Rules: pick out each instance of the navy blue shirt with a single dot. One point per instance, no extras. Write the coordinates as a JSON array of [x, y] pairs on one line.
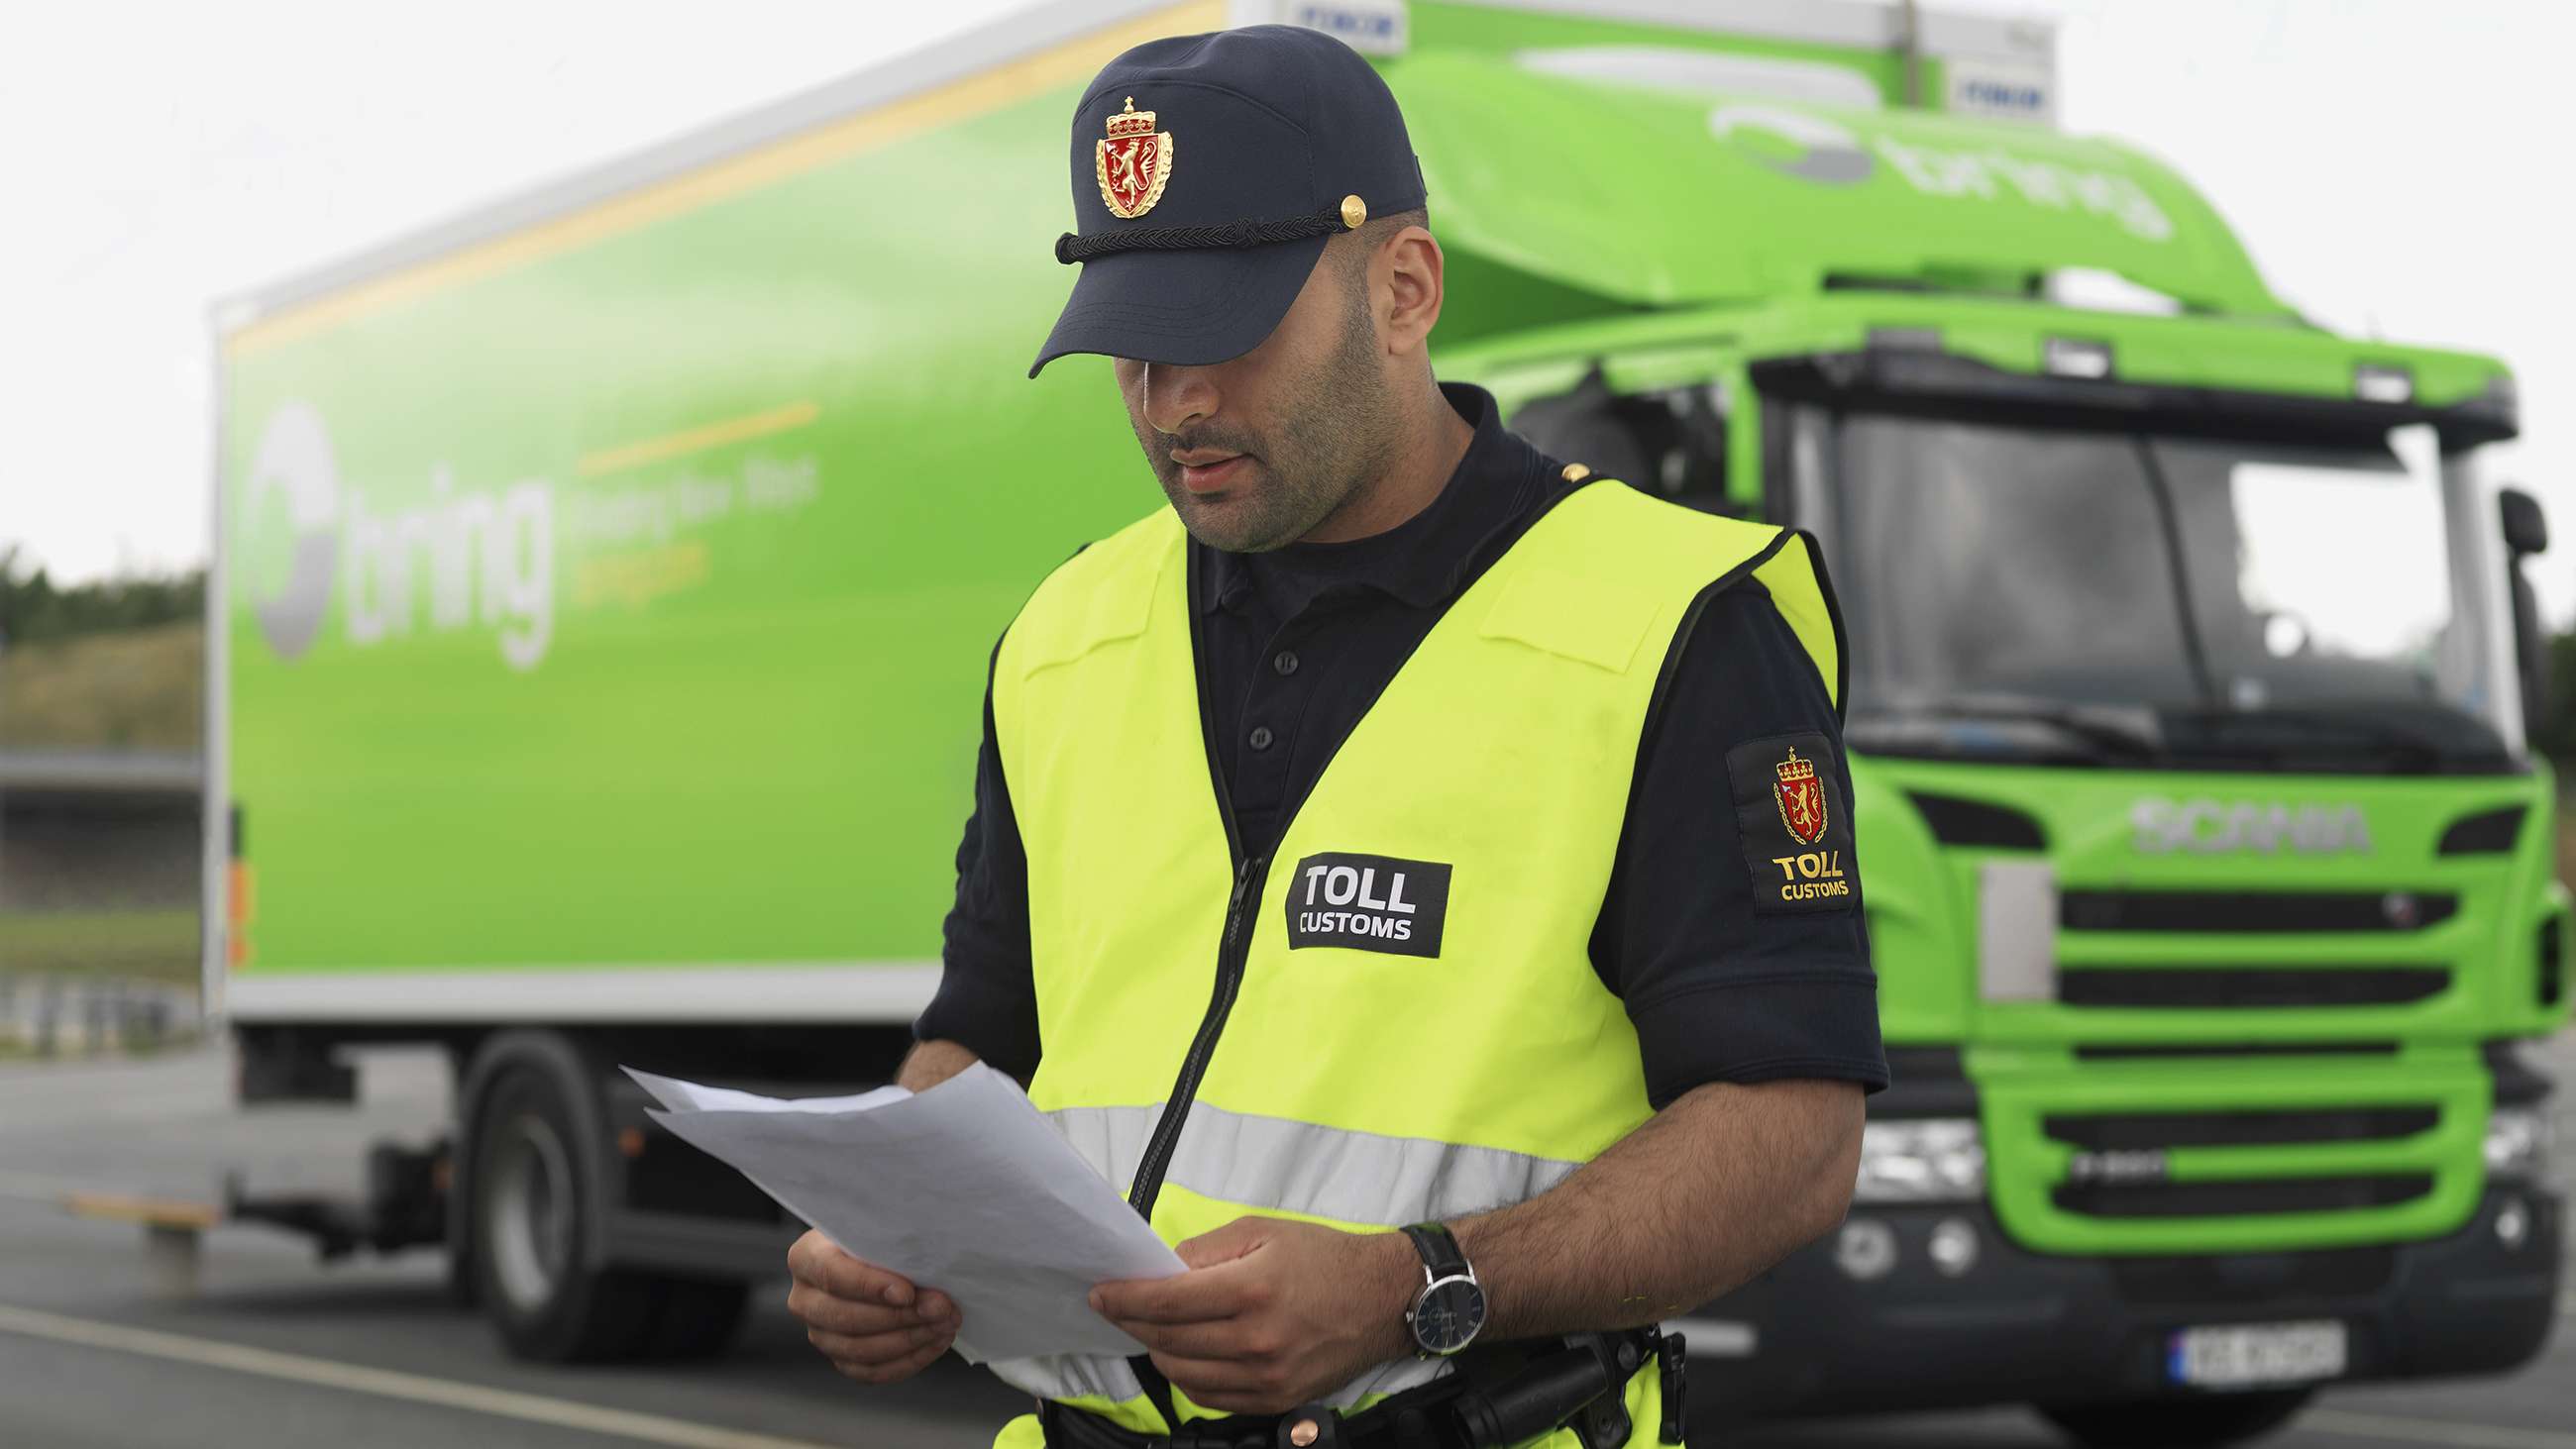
[[1726, 975]]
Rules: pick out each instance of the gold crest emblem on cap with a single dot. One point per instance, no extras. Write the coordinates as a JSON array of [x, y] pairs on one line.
[[1134, 163]]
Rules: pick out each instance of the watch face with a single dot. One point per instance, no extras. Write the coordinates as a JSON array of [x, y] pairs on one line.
[[1448, 1316]]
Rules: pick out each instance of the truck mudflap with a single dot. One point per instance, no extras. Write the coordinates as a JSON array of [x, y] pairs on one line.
[[1879, 1317]]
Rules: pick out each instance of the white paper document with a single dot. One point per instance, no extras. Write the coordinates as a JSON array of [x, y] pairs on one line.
[[965, 1188]]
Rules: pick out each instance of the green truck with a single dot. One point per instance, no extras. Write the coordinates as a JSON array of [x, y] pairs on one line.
[[605, 581]]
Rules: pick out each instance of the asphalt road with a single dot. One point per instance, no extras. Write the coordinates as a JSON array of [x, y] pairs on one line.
[[99, 1350]]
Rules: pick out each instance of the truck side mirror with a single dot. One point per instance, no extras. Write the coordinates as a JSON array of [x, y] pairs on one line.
[[2526, 532], [1669, 444], [2526, 528]]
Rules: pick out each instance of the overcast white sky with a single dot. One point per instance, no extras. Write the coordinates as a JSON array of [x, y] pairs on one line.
[[2398, 168]]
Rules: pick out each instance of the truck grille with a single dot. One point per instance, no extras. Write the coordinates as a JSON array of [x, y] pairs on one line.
[[2250, 986], [2238, 1198], [2148, 1131], [2156, 1157], [2253, 911], [2209, 1050], [2119, 1167], [2254, 1058]]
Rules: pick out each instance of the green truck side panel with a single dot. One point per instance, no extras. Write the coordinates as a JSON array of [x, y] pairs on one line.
[[751, 733]]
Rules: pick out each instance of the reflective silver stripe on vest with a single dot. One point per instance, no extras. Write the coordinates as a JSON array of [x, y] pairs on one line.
[[1111, 1139], [1276, 1164], [1299, 1167]]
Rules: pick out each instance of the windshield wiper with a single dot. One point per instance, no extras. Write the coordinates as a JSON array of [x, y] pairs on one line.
[[2108, 731]]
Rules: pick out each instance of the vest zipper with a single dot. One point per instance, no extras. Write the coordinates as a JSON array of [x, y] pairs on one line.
[[1235, 945], [1232, 949]]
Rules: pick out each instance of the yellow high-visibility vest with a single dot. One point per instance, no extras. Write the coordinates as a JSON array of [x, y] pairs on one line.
[[1393, 1016]]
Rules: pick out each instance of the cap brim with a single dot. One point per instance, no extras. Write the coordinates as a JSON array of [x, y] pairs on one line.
[[1186, 308]]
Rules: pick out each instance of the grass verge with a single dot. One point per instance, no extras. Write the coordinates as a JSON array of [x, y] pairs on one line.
[[137, 689], [146, 945]]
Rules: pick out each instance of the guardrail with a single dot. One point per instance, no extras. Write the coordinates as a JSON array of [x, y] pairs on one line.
[[52, 1015]]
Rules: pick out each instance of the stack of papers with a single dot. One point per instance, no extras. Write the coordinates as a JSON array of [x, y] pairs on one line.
[[966, 1188]]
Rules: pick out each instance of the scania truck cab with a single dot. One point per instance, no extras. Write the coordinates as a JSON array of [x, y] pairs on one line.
[[2209, 877]]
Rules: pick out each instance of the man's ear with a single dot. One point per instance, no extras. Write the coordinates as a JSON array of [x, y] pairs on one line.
[[1406, 272]]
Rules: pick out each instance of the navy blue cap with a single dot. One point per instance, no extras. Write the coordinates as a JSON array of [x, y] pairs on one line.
[[1208, 172]]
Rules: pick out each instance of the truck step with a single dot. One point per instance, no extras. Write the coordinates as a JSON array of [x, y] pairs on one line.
[[172, 1231]]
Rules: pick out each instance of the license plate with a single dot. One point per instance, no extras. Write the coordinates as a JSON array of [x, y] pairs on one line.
[[2243, 1355]]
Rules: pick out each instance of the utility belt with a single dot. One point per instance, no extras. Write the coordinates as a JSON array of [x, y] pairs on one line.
[[1495, 1397]]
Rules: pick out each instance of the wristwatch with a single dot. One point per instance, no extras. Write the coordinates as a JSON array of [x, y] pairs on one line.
[[1449, 1309]]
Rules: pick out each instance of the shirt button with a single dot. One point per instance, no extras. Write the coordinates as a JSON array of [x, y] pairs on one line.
[[1285, 661], [1261, 737]]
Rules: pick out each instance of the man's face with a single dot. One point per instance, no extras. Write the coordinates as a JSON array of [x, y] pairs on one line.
[[1256, 451]]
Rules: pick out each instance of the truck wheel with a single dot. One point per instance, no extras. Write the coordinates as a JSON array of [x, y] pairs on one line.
[[2179, 1423], [534, 1188]]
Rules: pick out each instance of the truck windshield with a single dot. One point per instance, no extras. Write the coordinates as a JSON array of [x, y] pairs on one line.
[[2125, 596]]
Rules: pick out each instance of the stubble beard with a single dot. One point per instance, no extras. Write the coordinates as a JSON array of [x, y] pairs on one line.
[[1335, 439]]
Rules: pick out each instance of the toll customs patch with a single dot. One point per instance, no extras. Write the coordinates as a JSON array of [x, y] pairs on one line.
[[1795, 823], [1368, 903]]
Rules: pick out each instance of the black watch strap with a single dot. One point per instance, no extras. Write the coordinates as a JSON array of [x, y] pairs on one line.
[[1439, 1249]]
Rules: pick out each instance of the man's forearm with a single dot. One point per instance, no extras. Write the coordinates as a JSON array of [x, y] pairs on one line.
[[930, 1063], [1709, 1192]]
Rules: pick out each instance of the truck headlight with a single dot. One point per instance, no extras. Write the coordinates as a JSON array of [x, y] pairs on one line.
[[1941, 1159], [2518, 1141]]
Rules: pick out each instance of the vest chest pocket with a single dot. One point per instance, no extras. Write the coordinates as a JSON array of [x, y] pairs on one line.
[[1368, 903]]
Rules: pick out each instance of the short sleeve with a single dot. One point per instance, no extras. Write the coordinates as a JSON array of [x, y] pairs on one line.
[[1732, 929]]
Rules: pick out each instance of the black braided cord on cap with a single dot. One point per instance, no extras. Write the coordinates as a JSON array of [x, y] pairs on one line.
[[1070, 248]]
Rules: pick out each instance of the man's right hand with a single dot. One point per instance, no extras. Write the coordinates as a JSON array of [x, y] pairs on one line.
[[873, 1325]]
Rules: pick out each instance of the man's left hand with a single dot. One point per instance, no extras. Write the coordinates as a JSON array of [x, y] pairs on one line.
[[1271, 1313]]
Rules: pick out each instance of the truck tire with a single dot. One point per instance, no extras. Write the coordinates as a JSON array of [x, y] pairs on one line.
[[2178, 1423], [535, 1185]]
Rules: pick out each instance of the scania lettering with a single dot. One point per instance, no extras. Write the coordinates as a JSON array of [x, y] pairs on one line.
[[580, 702], [2212, 826]]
